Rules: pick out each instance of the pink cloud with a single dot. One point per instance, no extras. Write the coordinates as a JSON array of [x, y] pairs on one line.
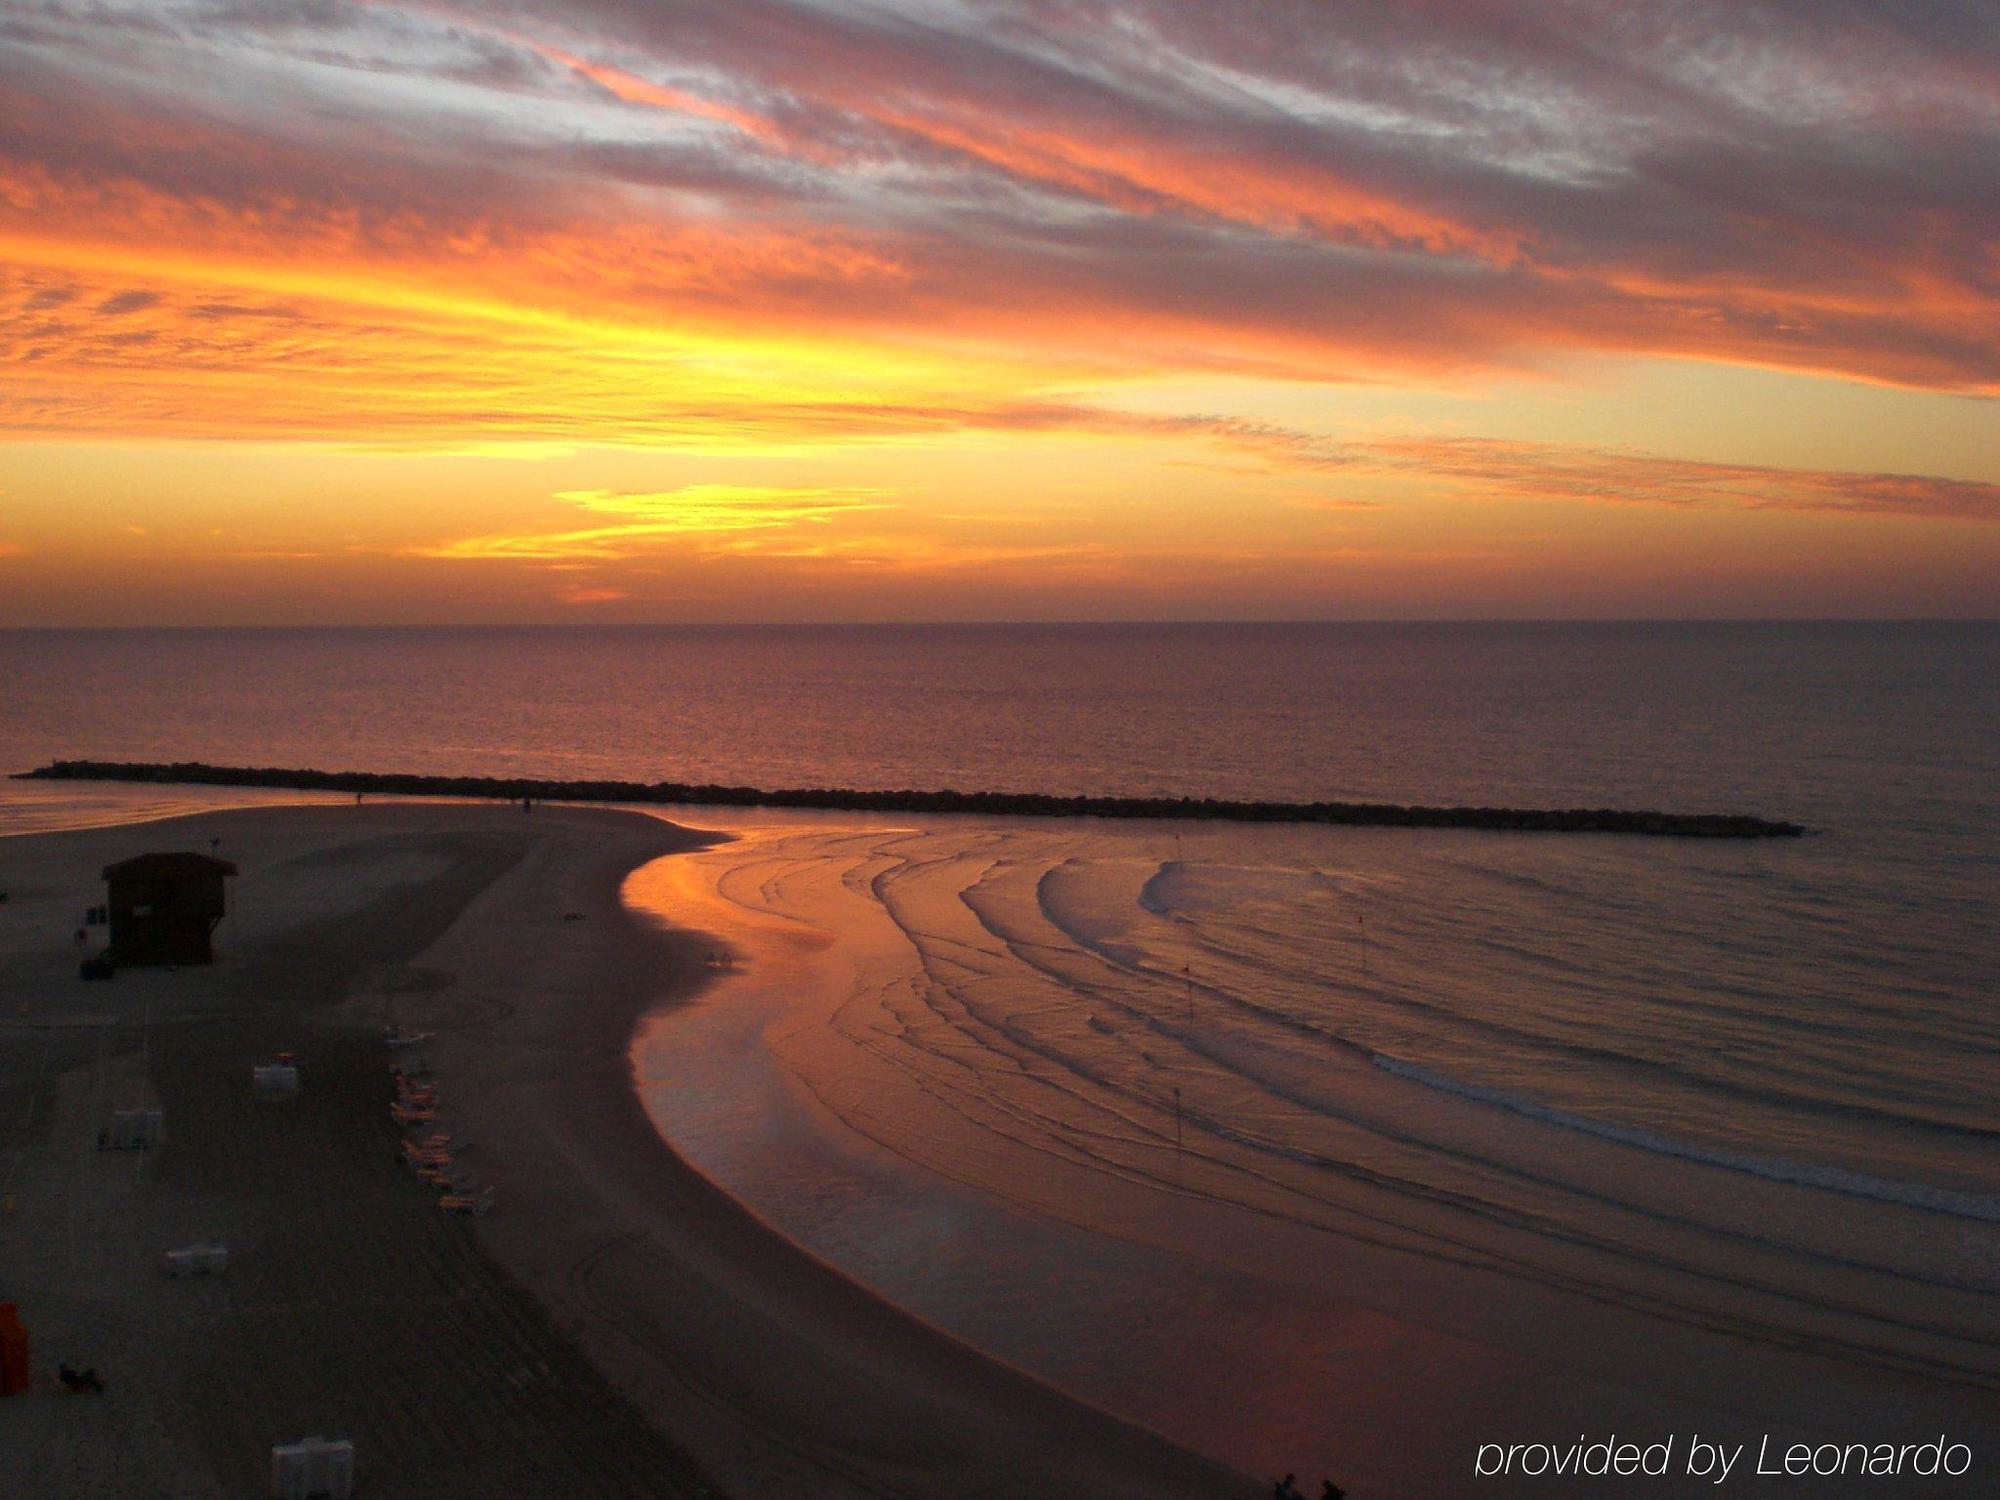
[[1499, 469], [1315, 191]]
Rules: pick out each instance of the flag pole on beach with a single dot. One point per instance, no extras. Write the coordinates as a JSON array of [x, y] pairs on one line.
[[1177, 1132]]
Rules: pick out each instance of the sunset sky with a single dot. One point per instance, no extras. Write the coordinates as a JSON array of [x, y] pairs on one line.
[[618, 310]]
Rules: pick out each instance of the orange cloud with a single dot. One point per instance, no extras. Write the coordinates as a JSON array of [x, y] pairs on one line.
[[1493, 469], [563, 234], [636, 90], [888, 215], [1149, 176], [695, 513]]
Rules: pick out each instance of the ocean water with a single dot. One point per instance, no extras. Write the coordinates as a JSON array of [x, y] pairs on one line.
[[1260, 1134], [1862, 728]]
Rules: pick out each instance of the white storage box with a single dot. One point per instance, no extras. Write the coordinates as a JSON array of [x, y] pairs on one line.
[[313, 1468], [196, 1260]]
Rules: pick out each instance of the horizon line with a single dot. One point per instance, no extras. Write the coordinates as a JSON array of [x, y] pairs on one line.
[[995, 623]]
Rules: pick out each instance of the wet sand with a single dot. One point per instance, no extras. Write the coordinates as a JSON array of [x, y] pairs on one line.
[[616, 1326]]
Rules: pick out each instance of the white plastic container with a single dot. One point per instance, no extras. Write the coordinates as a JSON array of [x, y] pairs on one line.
[[313, 1468], [196, 1260]]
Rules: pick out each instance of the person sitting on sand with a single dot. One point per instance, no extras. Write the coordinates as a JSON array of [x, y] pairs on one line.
[[1287, 1489]]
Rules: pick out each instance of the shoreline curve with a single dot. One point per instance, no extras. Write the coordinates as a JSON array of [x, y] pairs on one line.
[[642, 1331]]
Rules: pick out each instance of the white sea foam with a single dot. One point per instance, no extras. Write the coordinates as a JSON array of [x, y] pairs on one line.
[[1827, 1179]]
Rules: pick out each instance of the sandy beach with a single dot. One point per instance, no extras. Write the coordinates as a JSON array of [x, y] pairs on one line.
[[615, 1326]]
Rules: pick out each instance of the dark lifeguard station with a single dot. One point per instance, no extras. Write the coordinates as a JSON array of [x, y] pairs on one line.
[[164, 907]]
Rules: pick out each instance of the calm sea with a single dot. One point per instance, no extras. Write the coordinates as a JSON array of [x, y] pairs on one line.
[[1748, 1089], [1883, 728]]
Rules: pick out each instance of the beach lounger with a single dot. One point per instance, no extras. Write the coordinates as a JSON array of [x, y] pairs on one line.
[[132, 1130]]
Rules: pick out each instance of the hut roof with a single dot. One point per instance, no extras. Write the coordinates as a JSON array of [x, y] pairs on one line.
[[144, 866]]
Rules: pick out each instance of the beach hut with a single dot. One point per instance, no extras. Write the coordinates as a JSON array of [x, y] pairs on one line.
[[163, 907]]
